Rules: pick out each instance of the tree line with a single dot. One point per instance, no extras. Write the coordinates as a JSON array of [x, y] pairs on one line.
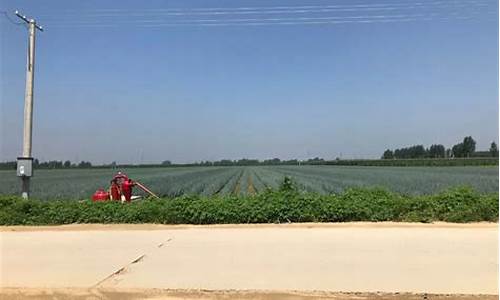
[[56, 164], [464, 149], [52, 164], [250, 162]]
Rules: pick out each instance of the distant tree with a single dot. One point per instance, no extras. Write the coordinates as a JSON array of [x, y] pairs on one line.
[[246, 162], [398, 153], [469, 146], [67, 164], [388, 154], [201, 163], [417, 151], [53, 164], [84, 164], [166, 163], [315, 160], [290, 162], [224, 162], [494, 149], [8, 165], [436, 151], [448, 153], [274, 161], [458, 150]]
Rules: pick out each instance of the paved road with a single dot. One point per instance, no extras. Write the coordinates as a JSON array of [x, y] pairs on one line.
[[356, 257]]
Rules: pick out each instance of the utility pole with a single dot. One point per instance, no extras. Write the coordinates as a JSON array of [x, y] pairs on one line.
[[25, 162]]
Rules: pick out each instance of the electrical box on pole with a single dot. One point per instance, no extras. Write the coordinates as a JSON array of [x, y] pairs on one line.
[[25, 162]]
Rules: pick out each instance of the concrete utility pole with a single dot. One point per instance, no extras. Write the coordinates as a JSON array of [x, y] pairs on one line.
[[25, 162]]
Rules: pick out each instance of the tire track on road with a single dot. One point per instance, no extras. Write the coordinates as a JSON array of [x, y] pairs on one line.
[[123, 270]]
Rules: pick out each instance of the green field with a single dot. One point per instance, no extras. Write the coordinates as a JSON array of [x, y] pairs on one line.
[[81, 183]]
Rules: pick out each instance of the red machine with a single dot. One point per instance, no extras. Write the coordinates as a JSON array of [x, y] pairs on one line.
[[120, 189]]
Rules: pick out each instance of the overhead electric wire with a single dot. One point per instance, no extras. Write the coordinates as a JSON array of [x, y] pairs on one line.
[[284, 15], [243, 21], [257, 12], [181, 21], [291, 21], [286, 19], [308, 22], [281, 8]]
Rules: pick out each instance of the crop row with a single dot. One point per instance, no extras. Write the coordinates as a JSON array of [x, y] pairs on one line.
[[80, 184]]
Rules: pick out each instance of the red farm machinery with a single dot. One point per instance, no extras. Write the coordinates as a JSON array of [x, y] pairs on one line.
[[120, 189]]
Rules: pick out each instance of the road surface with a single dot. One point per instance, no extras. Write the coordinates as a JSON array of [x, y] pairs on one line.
[[352, 257]]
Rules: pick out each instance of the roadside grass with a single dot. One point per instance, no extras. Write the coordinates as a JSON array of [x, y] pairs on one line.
[[283, 205]]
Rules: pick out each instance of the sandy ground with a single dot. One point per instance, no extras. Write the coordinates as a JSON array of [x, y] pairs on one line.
[[359, 260], [157, 294]]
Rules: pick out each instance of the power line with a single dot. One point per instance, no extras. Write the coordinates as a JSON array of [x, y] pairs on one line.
[[278, 15], [257, 22], [319, 22], [157, 21], [279, 8], [257, 12], [268, 21], [182, 21]]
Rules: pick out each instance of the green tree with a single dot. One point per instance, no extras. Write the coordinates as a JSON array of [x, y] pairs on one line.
[[417, 151], [469, 146], [494, 149], [67, 164], [436, 151], [458, 150], [84, 164], [388, 154]]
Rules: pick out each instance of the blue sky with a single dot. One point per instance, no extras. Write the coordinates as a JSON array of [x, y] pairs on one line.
[[144, 81]]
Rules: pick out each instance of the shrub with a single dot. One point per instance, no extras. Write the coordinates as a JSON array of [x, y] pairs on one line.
[[286, 204]]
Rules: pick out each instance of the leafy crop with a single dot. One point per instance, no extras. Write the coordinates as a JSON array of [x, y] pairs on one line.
[[286, 204], [78, 184]]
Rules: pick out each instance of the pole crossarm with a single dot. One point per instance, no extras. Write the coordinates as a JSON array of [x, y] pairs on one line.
[[28, 21]]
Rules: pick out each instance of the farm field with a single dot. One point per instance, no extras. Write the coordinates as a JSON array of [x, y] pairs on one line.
[[81, 183]]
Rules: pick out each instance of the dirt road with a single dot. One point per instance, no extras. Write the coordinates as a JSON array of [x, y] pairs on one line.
[[353, 257]]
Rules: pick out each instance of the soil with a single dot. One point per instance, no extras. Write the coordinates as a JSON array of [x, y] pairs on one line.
[[252, 261], [158, 294]]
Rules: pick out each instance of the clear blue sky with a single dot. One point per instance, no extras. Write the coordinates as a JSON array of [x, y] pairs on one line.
[[144, 81]]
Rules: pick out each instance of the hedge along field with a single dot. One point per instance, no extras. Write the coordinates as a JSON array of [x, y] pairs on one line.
[[78, 184], [283, 205]]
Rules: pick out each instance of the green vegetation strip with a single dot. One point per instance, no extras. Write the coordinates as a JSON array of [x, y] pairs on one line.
[[286, 204]]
